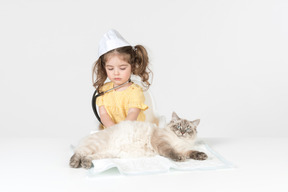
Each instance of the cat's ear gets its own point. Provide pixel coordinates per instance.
(195, 122)
(175, 116)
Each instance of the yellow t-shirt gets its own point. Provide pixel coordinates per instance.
(117, 103)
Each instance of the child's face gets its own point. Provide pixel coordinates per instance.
(117, 69)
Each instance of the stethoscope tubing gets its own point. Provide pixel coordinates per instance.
(95, 96)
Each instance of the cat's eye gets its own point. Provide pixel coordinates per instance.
(178, 127)
(188, 129)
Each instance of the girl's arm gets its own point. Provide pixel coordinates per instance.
(105, 118)
(133, 114)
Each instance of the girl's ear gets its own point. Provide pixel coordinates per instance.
(175, 116)
(195, 122)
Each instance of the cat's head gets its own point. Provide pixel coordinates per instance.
(183, 127)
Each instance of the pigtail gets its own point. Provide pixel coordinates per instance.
(141, 62)
(100, 73)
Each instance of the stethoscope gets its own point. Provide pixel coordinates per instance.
(95, 95)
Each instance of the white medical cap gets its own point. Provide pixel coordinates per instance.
(111, 40)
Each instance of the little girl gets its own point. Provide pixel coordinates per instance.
(118, 60)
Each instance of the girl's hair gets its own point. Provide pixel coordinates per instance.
(138, 59)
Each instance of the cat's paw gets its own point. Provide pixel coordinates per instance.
(177, 157)
(198, 155)
(75, 161)
(86, 162)
(180, 158)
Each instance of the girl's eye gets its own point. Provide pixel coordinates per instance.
(122, 69)
(110, 69)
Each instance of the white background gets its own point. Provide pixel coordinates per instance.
(224, 62)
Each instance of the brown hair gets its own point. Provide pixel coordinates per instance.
(138, 59)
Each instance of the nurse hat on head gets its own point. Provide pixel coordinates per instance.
(111, 40)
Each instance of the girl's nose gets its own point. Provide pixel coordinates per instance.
(116, 72)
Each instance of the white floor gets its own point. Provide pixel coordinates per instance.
(29, 164)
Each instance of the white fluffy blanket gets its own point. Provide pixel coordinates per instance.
(159, 164)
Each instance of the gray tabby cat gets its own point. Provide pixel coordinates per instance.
(131, 139)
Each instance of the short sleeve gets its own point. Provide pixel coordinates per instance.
(99, 101)
(137, 99)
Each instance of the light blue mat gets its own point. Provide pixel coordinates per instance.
(159, 164)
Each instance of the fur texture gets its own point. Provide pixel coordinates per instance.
(132, 139)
